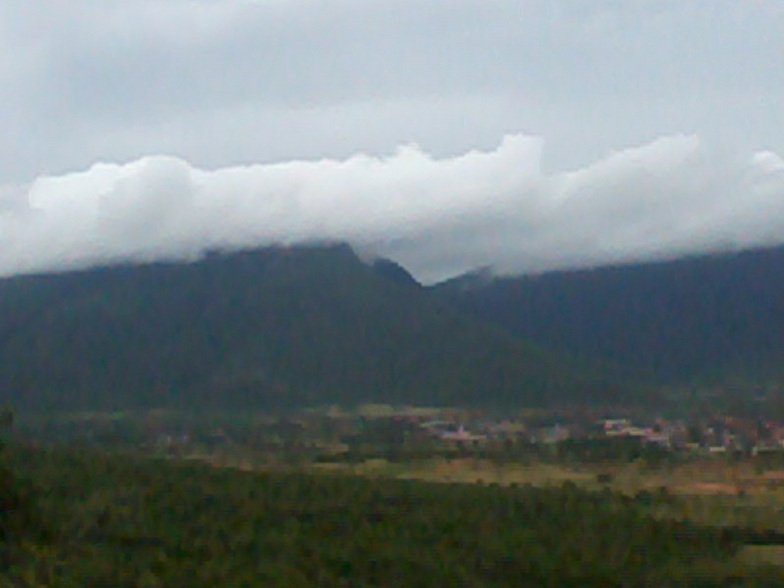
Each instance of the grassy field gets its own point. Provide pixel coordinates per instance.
(710, 492)
(705, 477)
(761, 555)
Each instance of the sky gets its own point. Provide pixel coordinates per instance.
(522, 135)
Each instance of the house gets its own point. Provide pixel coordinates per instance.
(462, 436)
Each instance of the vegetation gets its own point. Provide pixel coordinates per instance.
(695, 319)
(274, 327)
(269, 331)
(293, 327)
(119, 521)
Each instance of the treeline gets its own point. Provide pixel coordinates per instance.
(115, 521)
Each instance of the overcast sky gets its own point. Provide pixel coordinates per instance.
(446, 134)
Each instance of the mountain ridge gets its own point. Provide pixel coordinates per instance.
(261, 328)
(674, 320)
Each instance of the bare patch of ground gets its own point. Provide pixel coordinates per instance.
(762, 555)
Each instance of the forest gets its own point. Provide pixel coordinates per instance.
(709, 318)
(278, 328)
(267, 328)
(89, 518)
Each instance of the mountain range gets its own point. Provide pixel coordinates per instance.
(284, 327)
(706, 318)
(268, 328)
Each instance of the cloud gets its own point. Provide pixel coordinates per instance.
(228, 82)
(438, 217)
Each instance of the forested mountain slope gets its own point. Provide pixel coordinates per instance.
(674, 320)
(263, 328)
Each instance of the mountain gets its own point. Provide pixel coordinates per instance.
(274, 327)
(395, 272)
(706, 317)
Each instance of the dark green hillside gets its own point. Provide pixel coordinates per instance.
(674, 321)
(266, 328)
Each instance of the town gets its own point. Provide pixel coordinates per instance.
(398, 433)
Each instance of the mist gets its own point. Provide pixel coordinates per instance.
(436, 216)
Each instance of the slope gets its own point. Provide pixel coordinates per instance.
(708, 316)
(259, 329)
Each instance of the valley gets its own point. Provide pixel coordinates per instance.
(270, 401)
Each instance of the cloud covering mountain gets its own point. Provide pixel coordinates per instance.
(436, 216)
(636, 128)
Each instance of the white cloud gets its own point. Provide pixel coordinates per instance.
(224, 84)
(438, 217)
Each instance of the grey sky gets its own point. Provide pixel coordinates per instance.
(232, 83)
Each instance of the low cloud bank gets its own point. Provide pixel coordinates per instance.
(438, 217)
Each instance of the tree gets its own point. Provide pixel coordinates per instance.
(6, 418)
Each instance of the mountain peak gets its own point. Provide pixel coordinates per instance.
(395, 272)
(266, 328)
